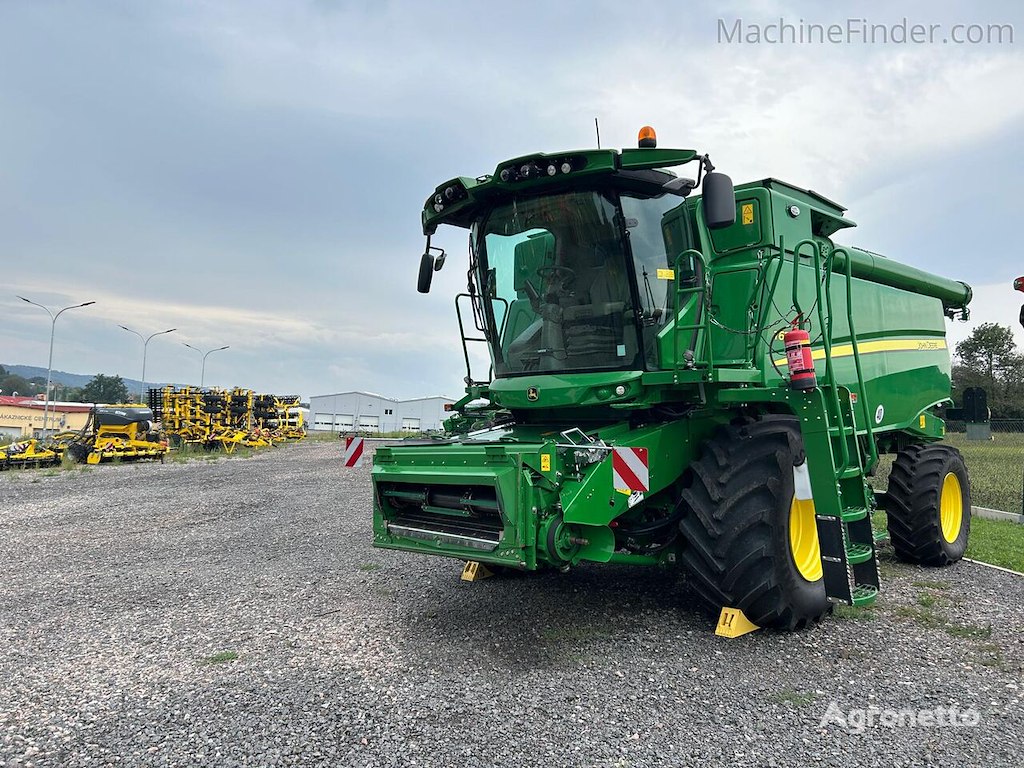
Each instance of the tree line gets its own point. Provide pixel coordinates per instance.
(989, 359)
(100, 389)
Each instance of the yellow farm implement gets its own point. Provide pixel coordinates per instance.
(226, 419)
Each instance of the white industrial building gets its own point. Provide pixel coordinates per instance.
(367, 412)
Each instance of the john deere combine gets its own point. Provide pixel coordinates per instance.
(680, 378)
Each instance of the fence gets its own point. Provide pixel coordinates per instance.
(996, 466)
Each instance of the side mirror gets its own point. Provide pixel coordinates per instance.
(719, 201)
(426, 273)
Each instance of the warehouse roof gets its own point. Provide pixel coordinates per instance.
(39, 405)
(389, 399)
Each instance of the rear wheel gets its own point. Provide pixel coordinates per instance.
(750, 543)
(928, 505)
(78, 452)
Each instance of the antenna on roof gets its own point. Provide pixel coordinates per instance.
(597, 129)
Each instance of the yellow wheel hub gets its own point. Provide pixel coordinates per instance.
(803, 539)
(951, 508)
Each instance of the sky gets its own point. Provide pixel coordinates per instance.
(252, 173)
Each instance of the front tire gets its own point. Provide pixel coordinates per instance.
(748, 541)
(928, 505)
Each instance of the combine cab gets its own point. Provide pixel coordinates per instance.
(691, 380)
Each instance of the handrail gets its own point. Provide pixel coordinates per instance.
(769, 297)
(869, 428)
(704, 323)
(756, 294)
(477, 322)
(826, 340)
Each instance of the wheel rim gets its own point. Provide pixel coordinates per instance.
(951, 508)
(803, 539)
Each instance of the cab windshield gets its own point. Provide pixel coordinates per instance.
(578, 281)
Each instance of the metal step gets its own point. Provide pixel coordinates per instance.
(851, 514)
(864, 594)
(859, 553)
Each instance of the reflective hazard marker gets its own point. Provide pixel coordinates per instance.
(353, 452)
(629, 470)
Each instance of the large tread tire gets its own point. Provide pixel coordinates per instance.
(736, 526)
(912, 505)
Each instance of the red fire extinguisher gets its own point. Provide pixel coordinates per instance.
(799, 359)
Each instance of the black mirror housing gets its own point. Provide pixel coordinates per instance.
(719, 201)
(426, 273)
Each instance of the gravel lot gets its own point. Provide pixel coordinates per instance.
(232, 612)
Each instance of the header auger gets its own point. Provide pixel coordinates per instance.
(685, 379)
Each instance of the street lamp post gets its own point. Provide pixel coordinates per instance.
(145, 346)
(202, 376)
(49, 364)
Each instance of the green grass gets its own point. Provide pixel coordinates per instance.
(192, 452)
(999, 542)
(879, 522)
(337, 437)
(925, 616)
(931, 584)
(996, 469)
(221, 657)
(369, 567)
(888, 568)
(794, 698)
(854, 612)
(970, 630)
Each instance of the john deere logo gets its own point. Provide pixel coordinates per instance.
(532, 395)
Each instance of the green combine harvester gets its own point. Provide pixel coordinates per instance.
(697, 380)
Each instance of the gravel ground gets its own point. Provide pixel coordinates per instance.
(232, 612)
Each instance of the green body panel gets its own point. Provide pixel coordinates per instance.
(718, 352)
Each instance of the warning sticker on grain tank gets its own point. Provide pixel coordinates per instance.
(747, 213)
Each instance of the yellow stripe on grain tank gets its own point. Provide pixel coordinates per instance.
(880, 345)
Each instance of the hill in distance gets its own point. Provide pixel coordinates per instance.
(69, 379)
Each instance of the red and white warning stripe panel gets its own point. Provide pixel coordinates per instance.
(353, 456)
(629, 469)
